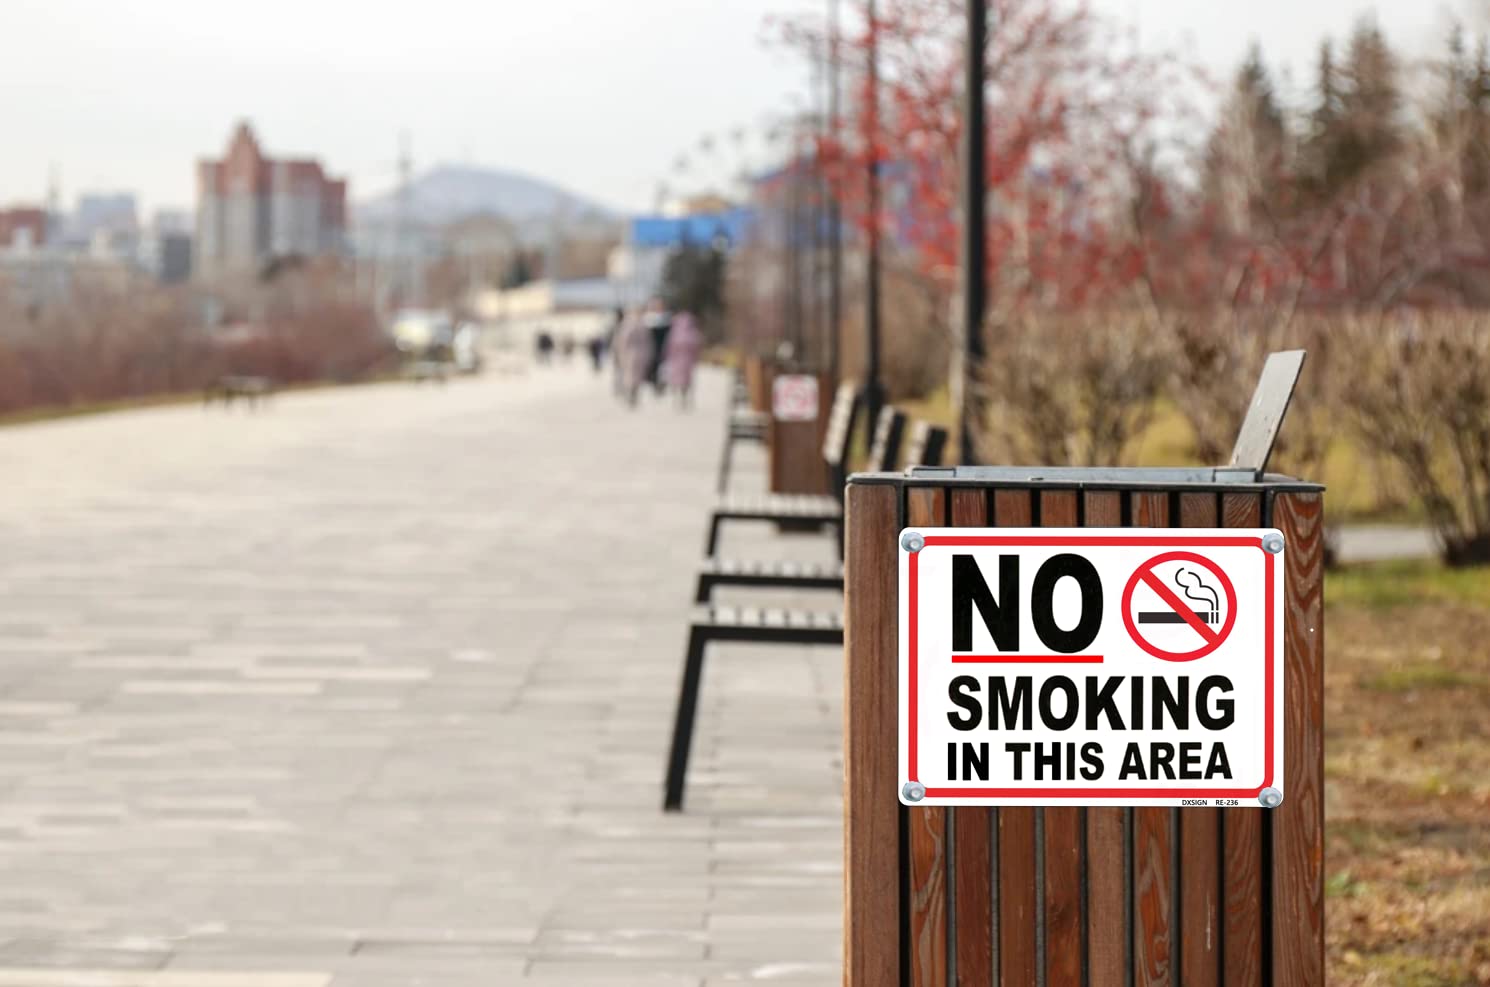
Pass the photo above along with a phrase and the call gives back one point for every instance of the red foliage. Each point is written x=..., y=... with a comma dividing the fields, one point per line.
x=1069, y=113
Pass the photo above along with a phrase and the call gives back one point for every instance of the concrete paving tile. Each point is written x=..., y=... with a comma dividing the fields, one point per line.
x=267, y=712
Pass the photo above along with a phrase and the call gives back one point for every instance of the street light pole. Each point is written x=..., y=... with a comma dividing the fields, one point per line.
x=873, y=393
x=974, y=147
x=835, y=240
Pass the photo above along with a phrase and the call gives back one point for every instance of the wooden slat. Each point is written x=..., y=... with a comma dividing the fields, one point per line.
x=1200, y=833
x=1241, y=880
x=1017, y=958
x=972, y=833
x=928, y=824
x=1153, y=836
x=1298, y=824
x=1107, y=948
x=871, y=813
x=1064, y=935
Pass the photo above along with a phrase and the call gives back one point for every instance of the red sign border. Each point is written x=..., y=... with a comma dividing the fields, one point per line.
x=1152, y=541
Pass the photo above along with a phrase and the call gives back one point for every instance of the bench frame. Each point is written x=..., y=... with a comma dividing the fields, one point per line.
x=814, y=509
x=810, y=629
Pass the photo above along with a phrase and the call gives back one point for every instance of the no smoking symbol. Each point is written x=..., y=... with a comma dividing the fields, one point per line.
x=1177, y=627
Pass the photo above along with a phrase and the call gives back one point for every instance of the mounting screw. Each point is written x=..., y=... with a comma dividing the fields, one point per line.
x=913, y=791
x=912, y=541
x=1270, y=798
x=1272, y=544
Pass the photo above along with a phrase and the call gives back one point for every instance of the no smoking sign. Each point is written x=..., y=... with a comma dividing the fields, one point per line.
x=1051, y=666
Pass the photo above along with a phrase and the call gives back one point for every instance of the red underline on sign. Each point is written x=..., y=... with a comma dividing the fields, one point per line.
x=1027, y=659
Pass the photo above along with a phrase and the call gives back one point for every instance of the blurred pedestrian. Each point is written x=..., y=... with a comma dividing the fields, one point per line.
x=684, y=344
x=633, y=355
x=657, y=322
x=612, y=347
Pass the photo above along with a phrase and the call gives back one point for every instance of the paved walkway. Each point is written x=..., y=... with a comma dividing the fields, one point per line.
x=373, y=688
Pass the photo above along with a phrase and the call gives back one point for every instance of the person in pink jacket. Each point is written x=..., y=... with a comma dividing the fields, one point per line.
x=684, y=344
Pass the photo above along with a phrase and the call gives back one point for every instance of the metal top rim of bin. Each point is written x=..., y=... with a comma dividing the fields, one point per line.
x=1221, y=478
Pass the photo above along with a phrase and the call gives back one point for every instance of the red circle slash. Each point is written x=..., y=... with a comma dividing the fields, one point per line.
x=1212, y=639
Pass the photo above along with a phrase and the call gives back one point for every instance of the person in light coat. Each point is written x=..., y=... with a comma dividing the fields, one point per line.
x=684, y=344
x=633, y=355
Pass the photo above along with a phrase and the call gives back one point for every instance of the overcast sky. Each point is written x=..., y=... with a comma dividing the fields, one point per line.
x=599, y=95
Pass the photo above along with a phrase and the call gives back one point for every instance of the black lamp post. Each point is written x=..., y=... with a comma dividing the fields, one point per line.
x=873, y=392
x=973, y=230
x=833, y=220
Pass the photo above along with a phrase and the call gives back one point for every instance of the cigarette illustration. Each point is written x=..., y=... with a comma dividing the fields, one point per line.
x=1195, y=589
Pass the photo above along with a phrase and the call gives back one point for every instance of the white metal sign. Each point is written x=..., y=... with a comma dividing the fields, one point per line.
x=1090, y=666
x=794, y=398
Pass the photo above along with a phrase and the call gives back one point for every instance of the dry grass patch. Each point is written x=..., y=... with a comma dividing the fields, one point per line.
x=1407, y=768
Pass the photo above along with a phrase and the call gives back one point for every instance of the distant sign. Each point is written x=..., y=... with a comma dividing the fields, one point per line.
x=794, y=398
x=1077, y=666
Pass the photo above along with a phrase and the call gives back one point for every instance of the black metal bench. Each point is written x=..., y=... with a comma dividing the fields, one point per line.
x=763, y=626
x=926, y=446
x=233, y=386
x=744, y=425
x=735, y=624
x=434, y=371
x=821, y=510
x=775, y=574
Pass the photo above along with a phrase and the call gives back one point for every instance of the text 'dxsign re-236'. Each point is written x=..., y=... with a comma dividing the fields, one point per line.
x=1064, y=666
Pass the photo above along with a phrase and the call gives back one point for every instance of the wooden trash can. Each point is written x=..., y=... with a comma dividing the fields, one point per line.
x=1065, y=895
x=758, y=373
x=795, y=443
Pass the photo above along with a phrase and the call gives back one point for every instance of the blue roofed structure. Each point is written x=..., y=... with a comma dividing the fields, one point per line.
x=701, y=229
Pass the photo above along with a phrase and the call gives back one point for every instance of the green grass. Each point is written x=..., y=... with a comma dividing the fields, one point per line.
x=1405, y=969
x=1418, y=676
x=1389, y=585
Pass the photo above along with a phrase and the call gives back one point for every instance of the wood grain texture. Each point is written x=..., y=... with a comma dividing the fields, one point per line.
x=1200, y=833
x=1153, y=888
x=1064, y=935
x=1107, y=944
x=1241, y=880
x=927, y=507
x=871, y=813
x=1298, y=824
x=1017, y=957
x=1153, y=836
x=972, y=833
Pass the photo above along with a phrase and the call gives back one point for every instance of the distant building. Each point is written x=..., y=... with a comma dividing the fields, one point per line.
x=111, y=214
x=577, y=308
x=251, y=209
x=23, y=228
x=635, y=267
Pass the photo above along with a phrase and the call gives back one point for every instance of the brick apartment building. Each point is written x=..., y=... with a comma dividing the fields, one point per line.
x=22, y=228
x=251, y=209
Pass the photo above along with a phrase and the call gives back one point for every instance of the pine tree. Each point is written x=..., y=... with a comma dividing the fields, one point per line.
x=1323, y=126
x=1372, y=104
x=1254, y=91
x=1247, y=152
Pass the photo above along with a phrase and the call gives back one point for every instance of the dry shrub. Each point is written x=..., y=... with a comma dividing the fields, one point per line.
x=107, y=344
x=1422, y=396
x=915, y=336
x=1219, y=355
x=1070, y=388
